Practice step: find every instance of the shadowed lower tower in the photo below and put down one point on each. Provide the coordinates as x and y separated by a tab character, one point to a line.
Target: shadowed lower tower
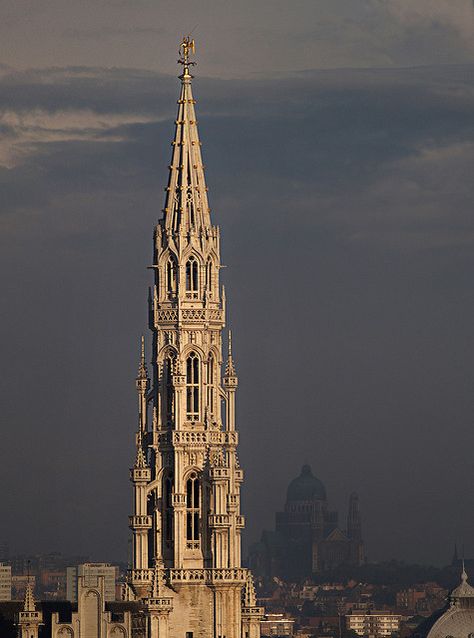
186	523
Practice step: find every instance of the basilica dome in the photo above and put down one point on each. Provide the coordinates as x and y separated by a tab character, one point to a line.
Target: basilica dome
306	487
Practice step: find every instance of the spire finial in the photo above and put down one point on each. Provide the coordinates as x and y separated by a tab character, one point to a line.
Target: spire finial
140	462
230	367
29	602
463	573
250	596
186	47
142	371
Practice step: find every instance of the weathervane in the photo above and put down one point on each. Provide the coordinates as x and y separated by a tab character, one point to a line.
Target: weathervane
186	48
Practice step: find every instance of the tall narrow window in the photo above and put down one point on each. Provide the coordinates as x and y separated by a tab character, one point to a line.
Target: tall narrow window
168	379
192	387
209	276
151	511
192	276
210	384
193	503
171	276
168	503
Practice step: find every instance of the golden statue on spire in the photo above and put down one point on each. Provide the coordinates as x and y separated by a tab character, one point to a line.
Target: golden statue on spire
186	48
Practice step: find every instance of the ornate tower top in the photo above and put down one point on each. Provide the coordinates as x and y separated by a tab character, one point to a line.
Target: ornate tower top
29	602
186	205
186	47
29	619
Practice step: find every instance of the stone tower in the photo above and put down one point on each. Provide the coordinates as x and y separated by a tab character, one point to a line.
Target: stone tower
186	523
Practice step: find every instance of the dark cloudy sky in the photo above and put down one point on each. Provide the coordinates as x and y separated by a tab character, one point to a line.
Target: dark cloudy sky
339	142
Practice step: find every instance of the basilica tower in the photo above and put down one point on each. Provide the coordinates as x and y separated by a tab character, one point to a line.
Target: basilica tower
186	524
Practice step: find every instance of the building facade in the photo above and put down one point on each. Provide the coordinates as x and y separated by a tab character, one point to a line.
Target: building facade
5	582
90	572
308	539
373	624
186	523
277	626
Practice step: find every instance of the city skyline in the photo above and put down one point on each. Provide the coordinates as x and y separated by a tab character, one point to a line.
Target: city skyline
345	202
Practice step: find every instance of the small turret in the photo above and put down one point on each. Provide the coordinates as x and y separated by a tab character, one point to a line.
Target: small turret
250	597
463	594
29	620
230	377
142	383
159	604
230	383
252	614
140	461
142	371
140	475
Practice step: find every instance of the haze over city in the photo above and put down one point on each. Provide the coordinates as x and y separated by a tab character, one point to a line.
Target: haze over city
338	138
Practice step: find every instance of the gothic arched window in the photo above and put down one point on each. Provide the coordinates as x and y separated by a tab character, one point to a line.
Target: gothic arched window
192	276
192	387
168	381
210	383
168	507
209	275
193	504
171	276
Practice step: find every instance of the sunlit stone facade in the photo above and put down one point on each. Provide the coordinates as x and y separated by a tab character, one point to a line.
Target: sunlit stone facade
186	522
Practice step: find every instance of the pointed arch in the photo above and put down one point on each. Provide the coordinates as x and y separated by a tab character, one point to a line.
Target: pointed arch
192	277
209	269
169	363
193	380
193	508
168	508
211	383
171	269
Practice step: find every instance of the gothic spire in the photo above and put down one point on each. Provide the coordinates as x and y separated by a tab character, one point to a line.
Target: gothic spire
140	462
29	602
142	371
186	206
230	367
249	595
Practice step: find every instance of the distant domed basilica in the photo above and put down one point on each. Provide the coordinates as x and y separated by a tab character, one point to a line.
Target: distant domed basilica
308	539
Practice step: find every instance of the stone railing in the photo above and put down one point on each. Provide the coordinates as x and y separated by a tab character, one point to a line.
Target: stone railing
219	472
232	501
140	575
198	315
255	612
231	575
139	522
184	437
161	604
219	520
187	438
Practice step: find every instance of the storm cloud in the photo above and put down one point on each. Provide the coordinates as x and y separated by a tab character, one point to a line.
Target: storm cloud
345	203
